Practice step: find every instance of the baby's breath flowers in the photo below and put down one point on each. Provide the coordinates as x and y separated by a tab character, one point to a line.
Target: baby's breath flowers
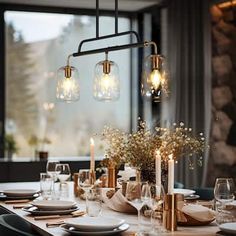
180	141
141	147
138	148
116	141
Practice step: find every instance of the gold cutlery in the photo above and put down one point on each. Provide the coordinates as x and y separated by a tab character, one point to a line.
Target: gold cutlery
19	206
17	201
73	214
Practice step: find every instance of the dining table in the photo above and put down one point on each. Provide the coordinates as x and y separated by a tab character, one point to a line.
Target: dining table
40	225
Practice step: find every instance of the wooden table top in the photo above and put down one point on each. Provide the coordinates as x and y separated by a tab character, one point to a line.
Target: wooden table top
40	225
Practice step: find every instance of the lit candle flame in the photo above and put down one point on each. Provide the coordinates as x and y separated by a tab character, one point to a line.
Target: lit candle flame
91	141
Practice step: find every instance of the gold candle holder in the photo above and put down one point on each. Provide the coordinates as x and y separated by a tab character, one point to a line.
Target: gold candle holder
111	177
170	212
76	178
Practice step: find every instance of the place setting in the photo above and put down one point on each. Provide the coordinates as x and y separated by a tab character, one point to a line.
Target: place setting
19	194
51	207
99	225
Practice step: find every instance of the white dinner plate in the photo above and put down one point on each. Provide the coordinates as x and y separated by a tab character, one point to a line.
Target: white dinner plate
54	204
19	192
37	212
185	192
94	223
228	228
75	231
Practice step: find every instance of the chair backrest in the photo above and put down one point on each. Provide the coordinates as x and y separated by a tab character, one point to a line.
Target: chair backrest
13	225
4	211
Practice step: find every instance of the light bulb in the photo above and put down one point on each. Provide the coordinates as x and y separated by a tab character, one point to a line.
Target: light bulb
67	84
154	80
106	83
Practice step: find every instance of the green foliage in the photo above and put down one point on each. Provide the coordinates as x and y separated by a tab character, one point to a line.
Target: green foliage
21	102
10	144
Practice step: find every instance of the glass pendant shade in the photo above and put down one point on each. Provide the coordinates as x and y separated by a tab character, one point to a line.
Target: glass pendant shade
154	79
68	89
106	85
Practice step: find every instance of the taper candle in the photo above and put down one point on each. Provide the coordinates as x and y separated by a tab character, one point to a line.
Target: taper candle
171	174
92	161
158	167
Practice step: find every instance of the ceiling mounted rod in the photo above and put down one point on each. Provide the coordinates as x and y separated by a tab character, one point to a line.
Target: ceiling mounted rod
97	19
116	16
131	32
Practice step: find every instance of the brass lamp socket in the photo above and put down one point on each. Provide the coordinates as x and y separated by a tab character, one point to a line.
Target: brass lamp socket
155	62
106	67
68	72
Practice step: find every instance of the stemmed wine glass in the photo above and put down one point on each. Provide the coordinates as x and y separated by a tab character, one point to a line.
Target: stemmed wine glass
157	201
86	183
224	194
63	172
51	170
138	193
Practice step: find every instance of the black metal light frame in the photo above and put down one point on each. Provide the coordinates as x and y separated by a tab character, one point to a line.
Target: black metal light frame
137	44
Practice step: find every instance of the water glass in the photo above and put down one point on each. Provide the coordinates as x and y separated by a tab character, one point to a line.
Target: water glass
94	202
157	202
224	195
46	185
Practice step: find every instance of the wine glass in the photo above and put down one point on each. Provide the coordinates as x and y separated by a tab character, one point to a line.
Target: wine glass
137	194
86	183
51	170
63	172
157	201
224	194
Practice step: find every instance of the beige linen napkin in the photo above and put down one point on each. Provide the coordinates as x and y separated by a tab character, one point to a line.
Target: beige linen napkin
198	212
118	202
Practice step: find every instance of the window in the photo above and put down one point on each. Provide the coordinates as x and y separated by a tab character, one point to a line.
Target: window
37	44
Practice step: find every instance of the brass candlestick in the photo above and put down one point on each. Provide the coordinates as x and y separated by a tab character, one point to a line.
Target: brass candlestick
170	212
111	177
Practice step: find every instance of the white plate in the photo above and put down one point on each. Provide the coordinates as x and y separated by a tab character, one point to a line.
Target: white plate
228	227
75	231
94	223
19	192
185	192
37	212
54	204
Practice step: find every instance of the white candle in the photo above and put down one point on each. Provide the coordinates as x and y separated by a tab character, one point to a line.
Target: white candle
171	174
158	167
92	161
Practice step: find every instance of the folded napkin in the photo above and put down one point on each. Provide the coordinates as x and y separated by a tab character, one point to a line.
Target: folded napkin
118	202
197	212
127	173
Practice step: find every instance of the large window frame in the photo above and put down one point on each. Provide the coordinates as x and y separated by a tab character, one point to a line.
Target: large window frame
61	10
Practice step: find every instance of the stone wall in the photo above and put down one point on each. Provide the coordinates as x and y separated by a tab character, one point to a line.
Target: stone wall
222	160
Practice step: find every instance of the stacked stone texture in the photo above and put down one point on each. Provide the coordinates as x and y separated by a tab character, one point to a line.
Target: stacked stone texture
222	160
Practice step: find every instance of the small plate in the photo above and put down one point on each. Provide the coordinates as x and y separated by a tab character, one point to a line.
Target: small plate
19	192
54	204
37	212
228	228
94	223
185	192
4	197
75	231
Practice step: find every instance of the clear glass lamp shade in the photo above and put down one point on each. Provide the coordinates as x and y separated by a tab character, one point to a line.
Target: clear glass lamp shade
68	89
106	86
154	78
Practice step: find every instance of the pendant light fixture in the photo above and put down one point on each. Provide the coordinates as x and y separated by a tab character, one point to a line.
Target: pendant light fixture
68	89
106	78
106	85
155	76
